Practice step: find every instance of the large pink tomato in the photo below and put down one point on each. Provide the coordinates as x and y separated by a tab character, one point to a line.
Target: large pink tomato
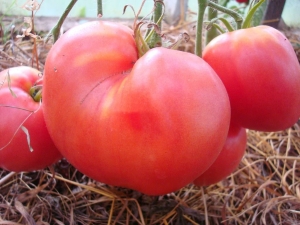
152	124
261	73
229	158
25	144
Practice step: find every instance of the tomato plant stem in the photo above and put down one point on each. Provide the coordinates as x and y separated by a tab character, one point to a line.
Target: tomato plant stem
219	28
224	21
202	4
155	39
212	32
236	16
99	7
56	29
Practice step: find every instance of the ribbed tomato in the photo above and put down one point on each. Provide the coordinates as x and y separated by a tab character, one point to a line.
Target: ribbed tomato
153	124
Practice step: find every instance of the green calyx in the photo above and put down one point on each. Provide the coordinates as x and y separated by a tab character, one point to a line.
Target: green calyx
152	37
36	93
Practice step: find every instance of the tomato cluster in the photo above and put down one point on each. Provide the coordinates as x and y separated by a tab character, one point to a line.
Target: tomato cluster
154	123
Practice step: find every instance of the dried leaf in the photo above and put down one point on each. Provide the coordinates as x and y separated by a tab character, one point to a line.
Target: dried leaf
9	84
31	5
27	31
25	130
24	213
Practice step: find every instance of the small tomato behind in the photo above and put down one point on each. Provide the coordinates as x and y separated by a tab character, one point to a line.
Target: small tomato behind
229	158
261	73
25	144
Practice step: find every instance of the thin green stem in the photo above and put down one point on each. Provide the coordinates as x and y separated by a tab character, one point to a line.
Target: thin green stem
202	4
99	8
155	38
149	29
218	28
141	44
56	29
157	21
224	21
212	32
6	11
236	16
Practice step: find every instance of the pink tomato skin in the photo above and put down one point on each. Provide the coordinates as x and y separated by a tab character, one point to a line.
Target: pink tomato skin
152	124
229	158
19	115
261	73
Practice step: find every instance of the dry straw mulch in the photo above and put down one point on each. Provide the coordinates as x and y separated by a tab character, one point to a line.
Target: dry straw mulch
265	188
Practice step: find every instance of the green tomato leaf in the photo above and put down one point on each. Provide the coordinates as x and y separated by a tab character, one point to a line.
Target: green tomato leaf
251	14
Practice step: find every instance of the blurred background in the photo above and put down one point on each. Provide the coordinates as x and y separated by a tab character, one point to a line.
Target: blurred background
114	9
